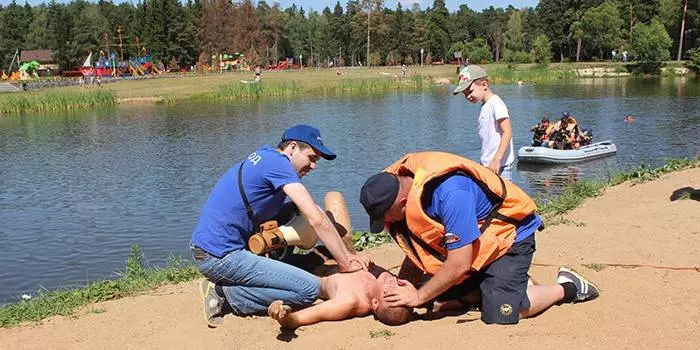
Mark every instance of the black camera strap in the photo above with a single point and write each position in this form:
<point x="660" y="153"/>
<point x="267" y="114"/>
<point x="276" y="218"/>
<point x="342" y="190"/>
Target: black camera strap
<point x="248" y="208"/>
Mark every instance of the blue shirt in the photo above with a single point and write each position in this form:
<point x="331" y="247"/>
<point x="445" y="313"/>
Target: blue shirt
<point x="459" y="203"/>
<point x="223" y="224"/>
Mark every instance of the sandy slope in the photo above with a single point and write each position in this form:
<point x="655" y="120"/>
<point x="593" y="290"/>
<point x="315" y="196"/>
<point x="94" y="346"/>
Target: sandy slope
<point x="640" y="307"/>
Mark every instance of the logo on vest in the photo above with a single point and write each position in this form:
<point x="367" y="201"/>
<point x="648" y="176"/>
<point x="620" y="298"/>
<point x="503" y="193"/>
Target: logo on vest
<point x="450" y="238"/>
<point x="506" y="309"/>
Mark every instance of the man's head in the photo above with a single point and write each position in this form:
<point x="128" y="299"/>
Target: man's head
<point x="544" y="121"/>
<point x="304" y="146"/>
<point x="389" y="315"/>
<point x="473" y="83"/>
<point x="384" y="198"/>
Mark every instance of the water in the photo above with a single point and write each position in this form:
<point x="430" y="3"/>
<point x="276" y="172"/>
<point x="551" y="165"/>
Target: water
<point x="78" y="189"/>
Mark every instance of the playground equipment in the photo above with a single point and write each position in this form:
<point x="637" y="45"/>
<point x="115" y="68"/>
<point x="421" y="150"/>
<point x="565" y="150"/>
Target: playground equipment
<point x="109" y="66"/>
<point x="28" y="70"/>
<point x="231" y="62"/>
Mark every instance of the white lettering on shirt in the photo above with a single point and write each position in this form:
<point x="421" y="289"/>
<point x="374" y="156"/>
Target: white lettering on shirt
<point x="254" y="158"/>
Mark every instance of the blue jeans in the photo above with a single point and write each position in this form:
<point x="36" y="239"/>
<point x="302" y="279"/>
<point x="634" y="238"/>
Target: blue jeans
<point x="251" y="282"/>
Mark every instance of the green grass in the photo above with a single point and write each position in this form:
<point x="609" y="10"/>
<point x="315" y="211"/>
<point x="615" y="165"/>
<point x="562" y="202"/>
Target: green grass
<point x="384" y="333"/>
<point x="366" y="240"/>
<point x="575" y="193"/>
<point x="534" y="74"/>
<point x="136" y="278"/>
<point x="595" y="267"/>
<point x="45" y="101"/>
<point x="240" y="91"/>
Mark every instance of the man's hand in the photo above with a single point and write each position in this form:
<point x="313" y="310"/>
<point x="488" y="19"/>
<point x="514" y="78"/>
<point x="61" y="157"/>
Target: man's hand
<point x="357" y="263"/>
<point x="402" y="294"/>
<point x="495" y="165"/>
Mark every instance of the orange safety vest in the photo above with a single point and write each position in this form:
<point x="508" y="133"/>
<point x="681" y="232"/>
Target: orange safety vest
<point x="424" y="242"/>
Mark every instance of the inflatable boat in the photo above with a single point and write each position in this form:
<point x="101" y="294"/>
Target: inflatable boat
<point x="544" y="155"/>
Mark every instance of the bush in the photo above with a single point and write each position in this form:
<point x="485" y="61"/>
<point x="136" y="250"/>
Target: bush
<point x="518" y="57"/>
<point x="651" y="45"/>
<point x="693" y="60"/>
<point x="478" y="51"/>
<point x="375" y="58"/>
<point x="541" y="50"/>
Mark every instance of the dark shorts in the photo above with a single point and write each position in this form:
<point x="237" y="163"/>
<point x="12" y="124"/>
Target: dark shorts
<point x="503" y="285"/>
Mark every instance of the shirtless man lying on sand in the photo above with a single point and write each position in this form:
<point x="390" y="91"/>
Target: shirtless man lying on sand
<point x="346" y="295"/>
<point x="358" y="294"/>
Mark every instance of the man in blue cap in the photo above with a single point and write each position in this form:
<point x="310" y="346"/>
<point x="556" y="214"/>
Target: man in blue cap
<point x="251" y="192"/>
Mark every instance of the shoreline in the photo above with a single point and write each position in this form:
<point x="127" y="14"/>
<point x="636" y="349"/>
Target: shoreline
<point x="180" y="269"/>
<point x="175" y="87"/>
<point x="639" y="306"/>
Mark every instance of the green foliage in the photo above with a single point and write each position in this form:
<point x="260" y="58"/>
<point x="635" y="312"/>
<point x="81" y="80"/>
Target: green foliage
<point x="374" y="58"/>
<point x="595" y="267"/>
<point x="238" y="91"/>
<point x="541" y="50"/>
<point x="478" y="51"/>
<point x="650" y="45"/>
<point x="537" y="74"/>
<point x="694" y="60"/>
<point x="55" y="101"/>
<point x="438" y="31"/>
<point x="135" y="279"/>
<point x="517" y="57"/>
<point x="602" y="27"/>
<point x="384" y="333"/>
<point x="14" y="22"/>
<point x="514" y="37"/>
<point x="365" y="240"/>
<point x="574" y="194"/>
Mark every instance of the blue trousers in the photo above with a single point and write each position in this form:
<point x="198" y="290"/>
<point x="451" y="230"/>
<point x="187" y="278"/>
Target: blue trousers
<point x="251" y="282"/>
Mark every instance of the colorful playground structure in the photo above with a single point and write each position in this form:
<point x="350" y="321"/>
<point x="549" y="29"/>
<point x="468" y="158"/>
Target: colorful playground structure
<point x="109" y="66"/>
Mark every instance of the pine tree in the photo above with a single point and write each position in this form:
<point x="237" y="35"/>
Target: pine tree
<point x="13" y="25"/>
<point x="438" y="30"/>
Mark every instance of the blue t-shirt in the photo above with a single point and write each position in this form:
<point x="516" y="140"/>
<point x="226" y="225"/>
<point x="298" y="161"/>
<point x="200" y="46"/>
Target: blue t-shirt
<point x="459" y="203"/>
<point x="223" y="224"/>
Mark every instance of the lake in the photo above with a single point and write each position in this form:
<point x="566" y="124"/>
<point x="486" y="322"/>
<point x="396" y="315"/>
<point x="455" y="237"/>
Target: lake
<point x="78" y="189"/>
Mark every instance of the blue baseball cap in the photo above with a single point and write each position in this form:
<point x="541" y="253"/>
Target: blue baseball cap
<point x="309" y="135"/>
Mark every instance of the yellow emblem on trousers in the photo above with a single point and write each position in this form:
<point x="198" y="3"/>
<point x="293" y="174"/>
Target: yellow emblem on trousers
<point x="506" y="309"/>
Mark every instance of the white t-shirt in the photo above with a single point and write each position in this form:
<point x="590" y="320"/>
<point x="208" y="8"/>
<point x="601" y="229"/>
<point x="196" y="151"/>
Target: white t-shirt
<point x="490" y="132"/>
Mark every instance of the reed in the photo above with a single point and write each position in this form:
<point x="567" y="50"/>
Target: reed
<point x="535" y="74"/>
<point x="241" y="91"/>
<point x="575" y="193"/>
<point x="55" y="101"/>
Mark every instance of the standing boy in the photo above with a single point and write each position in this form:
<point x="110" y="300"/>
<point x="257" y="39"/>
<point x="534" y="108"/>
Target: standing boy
<point x="495" y="130"/>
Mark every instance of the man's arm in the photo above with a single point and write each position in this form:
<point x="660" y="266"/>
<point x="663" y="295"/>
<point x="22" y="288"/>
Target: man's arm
<point x="506" y="136"/>
<point x="330" y="310"/>
<point x="326" y="231"/>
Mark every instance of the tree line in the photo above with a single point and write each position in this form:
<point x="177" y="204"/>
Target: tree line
<point x="359" y="32"/>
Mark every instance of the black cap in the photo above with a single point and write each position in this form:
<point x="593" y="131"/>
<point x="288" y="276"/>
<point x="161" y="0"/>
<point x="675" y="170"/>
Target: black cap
<point x="377" y="195"/>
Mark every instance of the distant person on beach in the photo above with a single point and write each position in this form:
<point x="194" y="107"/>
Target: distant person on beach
<point x="494" y="127"/>
<point x="470" y="233"/>
<point x="347" y="295"/>
<point x="250" y="195"/>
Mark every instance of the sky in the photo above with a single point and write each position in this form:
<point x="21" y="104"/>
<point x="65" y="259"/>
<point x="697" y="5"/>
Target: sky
<point x="452" y="5"/>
